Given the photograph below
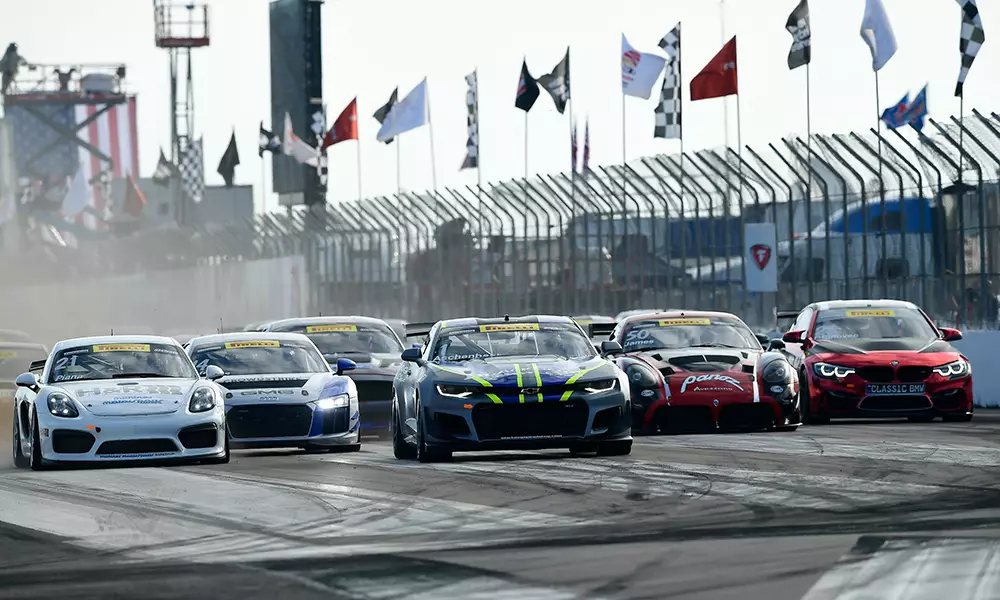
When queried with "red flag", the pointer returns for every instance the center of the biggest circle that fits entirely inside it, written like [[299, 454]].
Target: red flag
[[134, 200], [344, 128], [718, 78]]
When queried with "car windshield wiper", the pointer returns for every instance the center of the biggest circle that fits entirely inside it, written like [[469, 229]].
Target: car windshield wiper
[[136, 375]]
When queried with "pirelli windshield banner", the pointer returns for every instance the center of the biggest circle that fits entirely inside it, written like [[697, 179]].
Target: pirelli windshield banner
[[509, 327], [345, 328], [253, 344], [121, 348], [869, 312]]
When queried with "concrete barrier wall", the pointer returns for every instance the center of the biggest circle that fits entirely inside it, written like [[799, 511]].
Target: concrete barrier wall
[[982, 348]]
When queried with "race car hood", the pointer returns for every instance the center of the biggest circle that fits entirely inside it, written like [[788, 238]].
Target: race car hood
[[933, 355], [286, 388], [700, 360], [898, 346], [367, 361], [504, 372], [130, 397]]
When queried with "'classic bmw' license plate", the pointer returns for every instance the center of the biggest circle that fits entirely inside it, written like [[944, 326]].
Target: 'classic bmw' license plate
[[893, 389]]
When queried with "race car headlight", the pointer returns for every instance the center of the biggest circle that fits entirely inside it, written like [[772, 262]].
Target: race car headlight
[[959, 368], [337, 401], [597, 387], [777, 372], [60, 405], [828, 371], [455, 391], [203, 399], [640, 376]]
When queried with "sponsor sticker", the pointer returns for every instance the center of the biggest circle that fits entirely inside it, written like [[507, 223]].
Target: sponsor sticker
[[714, 377], [678, 322], [509, 327], [8, 354], [121, 348], [330, 328], [253, 344], [860, 314]]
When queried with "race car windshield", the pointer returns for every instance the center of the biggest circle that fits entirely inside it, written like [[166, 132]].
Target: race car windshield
[[333, 340], [259, 357], [872, 324], [120, 361], [14, 361], [688, 332], [482, 342]]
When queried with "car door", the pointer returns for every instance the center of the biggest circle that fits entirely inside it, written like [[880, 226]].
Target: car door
[[794, 351]]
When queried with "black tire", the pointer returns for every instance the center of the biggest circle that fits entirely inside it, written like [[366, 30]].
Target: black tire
[[957, 418], [224, 459], [808, 418], [35, 461], [20, 460], [351, 448], [616, 448], [426, 454], [400, 449]]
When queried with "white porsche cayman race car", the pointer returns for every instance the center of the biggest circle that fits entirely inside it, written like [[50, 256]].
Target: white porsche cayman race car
[[117, 398], [280, 392]]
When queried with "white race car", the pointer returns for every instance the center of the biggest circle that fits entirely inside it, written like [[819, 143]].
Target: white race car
[[117, 398], [280, 392]]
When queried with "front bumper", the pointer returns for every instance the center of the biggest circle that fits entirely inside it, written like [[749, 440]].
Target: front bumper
[[846, 399], [658, 413], [292, 425], [457, 424], [173, 437]]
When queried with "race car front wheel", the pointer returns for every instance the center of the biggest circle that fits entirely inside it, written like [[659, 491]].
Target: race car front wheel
[[20, 460], [36, 447], [400, 449], [426, 454], [805, 405]]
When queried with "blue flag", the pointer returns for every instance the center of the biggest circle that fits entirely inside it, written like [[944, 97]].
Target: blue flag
[[917, 110], [895, 116]]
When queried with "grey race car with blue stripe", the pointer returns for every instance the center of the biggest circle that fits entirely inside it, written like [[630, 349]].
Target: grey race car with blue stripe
[[511, 383]]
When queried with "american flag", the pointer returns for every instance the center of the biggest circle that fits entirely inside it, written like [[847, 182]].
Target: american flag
[[114, 133], [31, 135]]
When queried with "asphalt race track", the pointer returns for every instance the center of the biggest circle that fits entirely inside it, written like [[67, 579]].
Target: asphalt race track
[[846, 511]]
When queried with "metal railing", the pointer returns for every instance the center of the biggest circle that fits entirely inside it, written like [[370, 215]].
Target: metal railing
[[896, 214]]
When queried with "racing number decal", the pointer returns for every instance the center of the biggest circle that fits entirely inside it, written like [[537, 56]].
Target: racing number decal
[[65, 361], [636, 335], [202, 366]]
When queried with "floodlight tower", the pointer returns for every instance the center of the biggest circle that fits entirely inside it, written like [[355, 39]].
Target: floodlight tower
[[180, 28]]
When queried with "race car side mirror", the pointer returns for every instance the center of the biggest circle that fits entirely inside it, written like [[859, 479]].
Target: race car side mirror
[[27, 380], [610, 347], [213, 372], [412, 355], [775, 344], [763, 339], [793, 337], [345, 364], [950, 335]]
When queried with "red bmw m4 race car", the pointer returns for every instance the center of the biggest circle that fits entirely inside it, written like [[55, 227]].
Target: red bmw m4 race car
[[703, 371], [877, 359]]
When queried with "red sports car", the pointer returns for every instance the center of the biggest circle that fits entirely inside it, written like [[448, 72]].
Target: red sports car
[[877, 358], [701, 371]]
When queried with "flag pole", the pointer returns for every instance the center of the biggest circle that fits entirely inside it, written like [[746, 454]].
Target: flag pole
[[739, 153], [624, 158], [263, 184], [357, 126], [399, 179], [961, 135], [430, 128], [808, 134], [878, 125]]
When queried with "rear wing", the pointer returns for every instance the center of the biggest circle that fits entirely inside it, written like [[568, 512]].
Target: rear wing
[[418, 329], [601, 329], [37, 365], [787, 315]]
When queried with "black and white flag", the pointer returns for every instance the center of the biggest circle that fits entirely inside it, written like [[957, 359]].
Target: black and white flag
[[192, 171], [798, 25], [668, 110], [472, 104], [556, 84], [268, 142], [383, 112], [164, 171], [971, 40]]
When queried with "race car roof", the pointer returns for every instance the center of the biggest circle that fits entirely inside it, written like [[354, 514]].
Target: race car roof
[[671, 314], [114, 339], [499, 320], [307, 321], [835, 304], [246, 336]]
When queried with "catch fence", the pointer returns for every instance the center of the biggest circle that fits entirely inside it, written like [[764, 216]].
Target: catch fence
[[891, 214]]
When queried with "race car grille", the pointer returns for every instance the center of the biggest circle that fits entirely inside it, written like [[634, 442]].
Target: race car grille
[[137, 446], [535, 419], [758, 415], [877, 374], [910, 374], [269, 420], [336, 420], [374, 390], [264, 384], [895, 403], [199, 436], [67, 441]]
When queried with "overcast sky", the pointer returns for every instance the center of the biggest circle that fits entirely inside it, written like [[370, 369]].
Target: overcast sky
[[371, 46]]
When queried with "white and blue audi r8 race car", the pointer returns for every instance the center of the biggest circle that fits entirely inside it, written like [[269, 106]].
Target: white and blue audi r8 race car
[[117, 398], [280, 392]]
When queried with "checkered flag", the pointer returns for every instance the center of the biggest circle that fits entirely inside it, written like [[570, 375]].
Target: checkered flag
[[668, 111], [192, 171], [472, 104], [971, 41]]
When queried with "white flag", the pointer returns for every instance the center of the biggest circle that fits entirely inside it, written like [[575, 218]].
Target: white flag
[[78, 196], [409, 113], [294, 146], [639, 71], [877, 33]]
